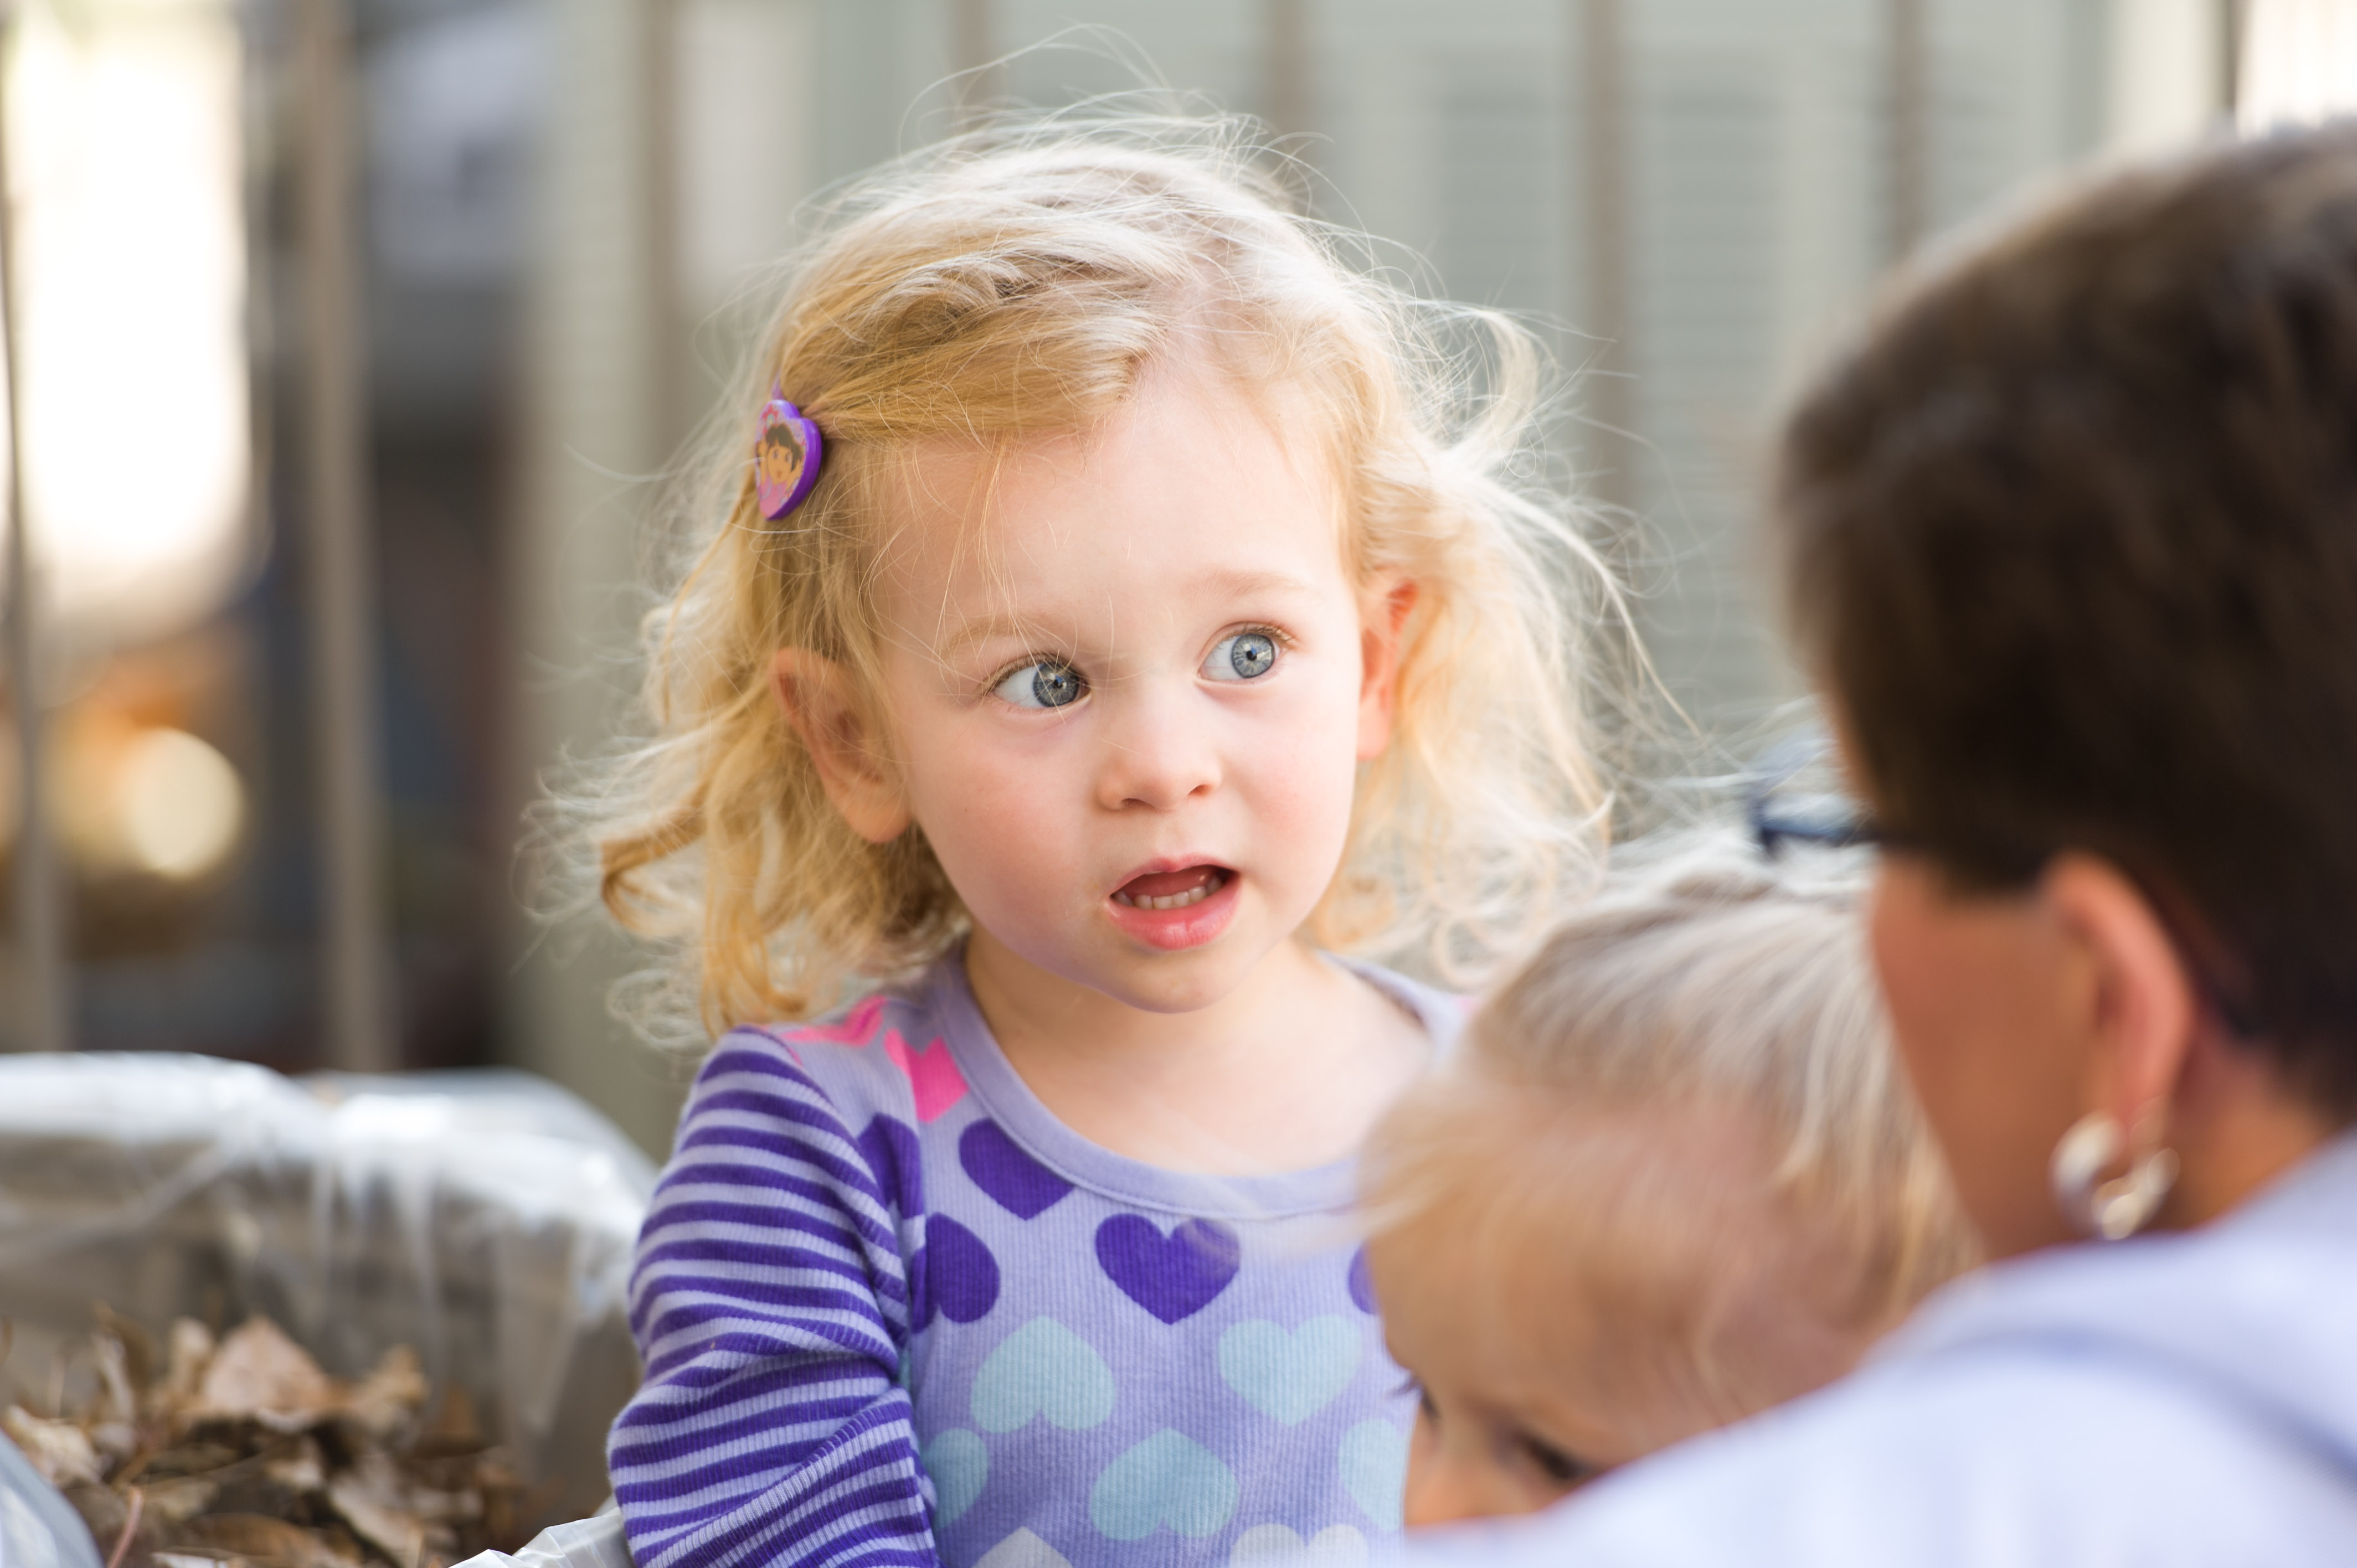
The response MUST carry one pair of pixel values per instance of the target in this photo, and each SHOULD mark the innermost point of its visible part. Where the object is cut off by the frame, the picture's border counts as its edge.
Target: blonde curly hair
(1690, 1096)
(1019, 282)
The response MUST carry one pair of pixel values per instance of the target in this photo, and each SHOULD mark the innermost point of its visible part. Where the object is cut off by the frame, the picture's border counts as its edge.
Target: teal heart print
(1290, 1376)
(1375, 1469)
(1169, 1479)
(959, 1463)
(1042, 1368)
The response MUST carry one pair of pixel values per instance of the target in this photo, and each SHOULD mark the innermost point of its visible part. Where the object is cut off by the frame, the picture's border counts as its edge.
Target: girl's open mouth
(1174, 910)
(1170, 889)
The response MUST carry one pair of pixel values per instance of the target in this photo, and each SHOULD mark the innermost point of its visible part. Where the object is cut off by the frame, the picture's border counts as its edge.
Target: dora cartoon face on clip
(781, 459)
(785, 459)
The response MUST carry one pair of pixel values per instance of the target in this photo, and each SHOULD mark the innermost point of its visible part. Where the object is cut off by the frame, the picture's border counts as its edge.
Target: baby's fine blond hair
(1020, 283)
(1691, 1076)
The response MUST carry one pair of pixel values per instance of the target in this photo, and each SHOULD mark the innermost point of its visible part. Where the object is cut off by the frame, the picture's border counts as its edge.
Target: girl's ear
(1385, 621)
(844, 741)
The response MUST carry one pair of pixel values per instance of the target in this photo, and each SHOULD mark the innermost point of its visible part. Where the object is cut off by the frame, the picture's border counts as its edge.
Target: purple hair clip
(785, 456)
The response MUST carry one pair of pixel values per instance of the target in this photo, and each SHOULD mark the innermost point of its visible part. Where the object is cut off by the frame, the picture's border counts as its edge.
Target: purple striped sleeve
(770, 1305)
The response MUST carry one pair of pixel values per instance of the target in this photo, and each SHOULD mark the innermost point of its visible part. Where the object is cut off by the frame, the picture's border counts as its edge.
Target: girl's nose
(1159, 751)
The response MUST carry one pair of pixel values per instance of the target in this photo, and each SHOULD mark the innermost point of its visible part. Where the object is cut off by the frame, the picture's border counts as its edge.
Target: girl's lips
(1174, 910)
(1170, 889)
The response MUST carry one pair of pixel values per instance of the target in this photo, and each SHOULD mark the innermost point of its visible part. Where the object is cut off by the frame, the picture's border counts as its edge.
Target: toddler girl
(1146, 620)
(1672, 1178)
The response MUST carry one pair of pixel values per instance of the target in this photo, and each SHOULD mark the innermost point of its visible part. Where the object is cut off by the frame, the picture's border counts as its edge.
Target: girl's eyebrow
(1246, 584)
(987, 629)
(1226, 582)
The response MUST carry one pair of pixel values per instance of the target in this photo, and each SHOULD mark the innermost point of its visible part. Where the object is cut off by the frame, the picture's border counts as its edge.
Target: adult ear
(1382, 627)
(844, 741)
(2144, 1011)
(2165, 1067)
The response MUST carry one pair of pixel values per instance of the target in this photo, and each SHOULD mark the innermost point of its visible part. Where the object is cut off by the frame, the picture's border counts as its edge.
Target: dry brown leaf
(175, 1502)
(275, 1541)
(373, 1500)
(436, 1506)
(306, 1471)
(259, 1374)
(116, 1439)
(299, 1468)
(389, 1396)
(118, 1405)
(190, 1459)
(189, 1350)
(61, 1451)
(101, 1510)
(454, 1431)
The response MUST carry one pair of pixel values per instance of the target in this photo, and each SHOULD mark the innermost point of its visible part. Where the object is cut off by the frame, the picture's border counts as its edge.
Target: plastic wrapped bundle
(485, 1218)
(578, 1543)
(36, 1529)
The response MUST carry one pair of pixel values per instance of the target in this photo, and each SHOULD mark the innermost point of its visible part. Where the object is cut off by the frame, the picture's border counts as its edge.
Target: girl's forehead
(1188, 481)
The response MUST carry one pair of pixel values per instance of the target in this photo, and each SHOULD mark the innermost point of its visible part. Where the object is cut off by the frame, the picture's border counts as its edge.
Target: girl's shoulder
(883, 1055)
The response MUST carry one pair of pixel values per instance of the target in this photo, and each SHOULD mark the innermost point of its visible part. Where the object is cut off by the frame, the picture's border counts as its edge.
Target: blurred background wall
(283, 815)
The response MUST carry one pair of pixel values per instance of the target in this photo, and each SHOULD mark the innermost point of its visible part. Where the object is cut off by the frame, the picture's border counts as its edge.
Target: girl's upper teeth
(1175, 900)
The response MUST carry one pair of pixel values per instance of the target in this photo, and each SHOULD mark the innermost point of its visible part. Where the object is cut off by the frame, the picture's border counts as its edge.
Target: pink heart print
(857, 1028)
(932, 1074)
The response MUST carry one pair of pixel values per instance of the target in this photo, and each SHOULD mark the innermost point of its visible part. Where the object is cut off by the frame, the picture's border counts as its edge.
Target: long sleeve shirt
(892, 1311)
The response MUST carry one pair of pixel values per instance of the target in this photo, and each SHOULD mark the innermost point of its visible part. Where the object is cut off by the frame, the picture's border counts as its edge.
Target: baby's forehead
(1607, 1210)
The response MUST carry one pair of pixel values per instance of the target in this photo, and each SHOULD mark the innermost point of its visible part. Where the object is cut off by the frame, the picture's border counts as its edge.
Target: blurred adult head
(2071, 543)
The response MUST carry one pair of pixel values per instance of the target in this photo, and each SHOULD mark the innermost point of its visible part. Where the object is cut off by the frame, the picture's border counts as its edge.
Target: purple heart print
(890, 1147)
(1019, 1184)
(1174, 1276)
(1361, 1283)
(961, 1276)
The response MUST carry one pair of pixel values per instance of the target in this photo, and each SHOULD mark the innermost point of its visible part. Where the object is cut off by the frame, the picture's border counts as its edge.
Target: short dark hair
(2071, 537)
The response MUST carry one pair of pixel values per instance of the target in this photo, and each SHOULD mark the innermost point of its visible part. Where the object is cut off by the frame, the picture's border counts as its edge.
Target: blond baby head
(999, 292)
(1673, 1177)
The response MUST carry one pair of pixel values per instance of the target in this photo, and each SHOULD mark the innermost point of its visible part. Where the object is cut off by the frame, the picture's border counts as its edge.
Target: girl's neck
(1287, 1071)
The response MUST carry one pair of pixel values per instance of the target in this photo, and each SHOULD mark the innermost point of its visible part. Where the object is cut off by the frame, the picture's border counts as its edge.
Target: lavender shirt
(894, 1312)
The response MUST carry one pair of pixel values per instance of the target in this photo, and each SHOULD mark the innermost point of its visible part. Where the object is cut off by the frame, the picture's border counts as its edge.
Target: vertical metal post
(1287, 66)
(668, 398)
(1601, 71)
(45, 974)
(973, 48)
(338, 558)
(1908, 132)
(2233, 19)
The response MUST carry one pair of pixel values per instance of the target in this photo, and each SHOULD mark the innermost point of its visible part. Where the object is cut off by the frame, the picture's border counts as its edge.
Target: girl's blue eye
(1246, 656)
(1050, 683)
